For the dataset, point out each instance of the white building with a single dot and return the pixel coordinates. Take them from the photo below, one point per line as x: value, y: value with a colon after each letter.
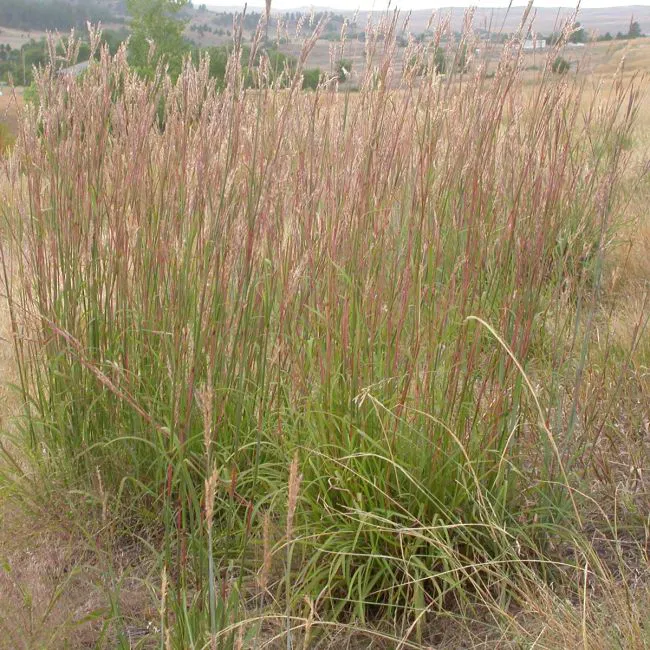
x: 74, y: 70
x: 534, y: 44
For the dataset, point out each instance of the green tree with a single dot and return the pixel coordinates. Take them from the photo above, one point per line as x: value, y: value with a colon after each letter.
x: 420, y: 66
x: 114, y: 38
x: 578, y: 35
x: 218, y: 63
x: 18, y: 64
x: 635, y: 30
x: 156, y: 23
x: 311, y: 78
x: 279, y: 63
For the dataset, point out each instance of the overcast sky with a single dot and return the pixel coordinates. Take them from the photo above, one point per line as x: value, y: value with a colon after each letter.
x: 352, y: 5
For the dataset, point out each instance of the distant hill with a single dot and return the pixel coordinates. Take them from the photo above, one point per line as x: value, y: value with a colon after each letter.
x: 64, y: 14
x: 546, y: 20
x: 57, y: 14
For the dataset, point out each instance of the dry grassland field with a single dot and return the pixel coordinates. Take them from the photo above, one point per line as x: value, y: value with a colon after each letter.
x: 17, y: 37
x: 361, y: 367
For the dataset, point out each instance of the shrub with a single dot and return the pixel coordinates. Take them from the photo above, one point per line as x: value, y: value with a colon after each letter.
x: 560, y: 65
x: 311, y: 78
x: 343, y: 69
x: 421, y: 63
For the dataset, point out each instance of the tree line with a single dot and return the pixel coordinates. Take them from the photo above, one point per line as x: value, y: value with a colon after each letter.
x: 580, y: 35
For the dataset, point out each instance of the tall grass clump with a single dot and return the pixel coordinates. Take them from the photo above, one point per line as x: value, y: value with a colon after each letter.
x: 322, y: 347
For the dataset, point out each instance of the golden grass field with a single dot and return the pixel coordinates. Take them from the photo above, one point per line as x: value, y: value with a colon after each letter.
x: 55, y: 580
x: 17, y: 37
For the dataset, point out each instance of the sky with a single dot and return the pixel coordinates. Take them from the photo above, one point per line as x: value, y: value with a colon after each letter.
x: 379, y: 5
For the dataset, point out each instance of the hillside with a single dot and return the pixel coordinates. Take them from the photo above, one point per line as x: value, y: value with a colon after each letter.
x: 56, y: 14
x: 612, y: 19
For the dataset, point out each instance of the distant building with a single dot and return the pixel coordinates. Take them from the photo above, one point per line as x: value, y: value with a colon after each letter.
x: 534, y: 44
x: 73, y: 70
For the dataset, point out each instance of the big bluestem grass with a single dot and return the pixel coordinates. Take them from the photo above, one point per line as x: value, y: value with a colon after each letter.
x: 386, y: 292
